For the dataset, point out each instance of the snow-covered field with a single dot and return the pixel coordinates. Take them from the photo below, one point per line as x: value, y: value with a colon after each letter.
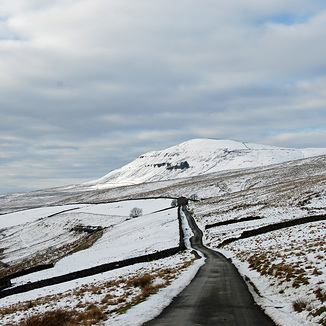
x: 113, y: 291
x: 122, y: 236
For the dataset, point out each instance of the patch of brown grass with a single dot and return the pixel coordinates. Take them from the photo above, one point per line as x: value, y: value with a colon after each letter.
x: 284, y: 272
x: 61, y: 317
x: 51, y: 318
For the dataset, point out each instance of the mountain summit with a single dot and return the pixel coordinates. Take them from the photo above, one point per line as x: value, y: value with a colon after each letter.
x: 197, y: 157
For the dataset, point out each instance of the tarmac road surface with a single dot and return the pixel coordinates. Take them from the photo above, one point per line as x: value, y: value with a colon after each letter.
x: 217, y: 295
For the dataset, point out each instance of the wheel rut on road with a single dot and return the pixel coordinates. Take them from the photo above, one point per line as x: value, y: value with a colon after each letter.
x: 217, y: 295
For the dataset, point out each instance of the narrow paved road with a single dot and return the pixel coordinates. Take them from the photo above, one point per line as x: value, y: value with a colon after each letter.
x: 216, y: 296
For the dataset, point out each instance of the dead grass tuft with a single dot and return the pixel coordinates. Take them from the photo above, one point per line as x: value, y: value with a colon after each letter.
x: 300, y: 304
x: 141, y: 281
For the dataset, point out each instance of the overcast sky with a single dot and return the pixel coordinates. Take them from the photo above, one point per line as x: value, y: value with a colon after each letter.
x: 86, y: 86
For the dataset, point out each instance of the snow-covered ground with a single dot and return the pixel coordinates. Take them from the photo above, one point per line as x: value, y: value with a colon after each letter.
x: 109, y: 291
x: 287, y: 266
x: 31, y: 215
x: 293, y: 269
x: 124, y: 238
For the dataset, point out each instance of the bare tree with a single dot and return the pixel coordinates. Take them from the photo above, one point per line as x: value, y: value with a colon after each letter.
x: 136, y: 212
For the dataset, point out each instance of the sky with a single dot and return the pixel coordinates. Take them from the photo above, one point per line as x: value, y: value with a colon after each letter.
x: 86, y: 86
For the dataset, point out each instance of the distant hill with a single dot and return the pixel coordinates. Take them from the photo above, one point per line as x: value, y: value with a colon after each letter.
x: 197, y: 157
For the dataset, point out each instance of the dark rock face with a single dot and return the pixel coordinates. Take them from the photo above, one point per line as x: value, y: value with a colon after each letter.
x: 169, y: 167
x: 180, y: 166
x: 158, y: 165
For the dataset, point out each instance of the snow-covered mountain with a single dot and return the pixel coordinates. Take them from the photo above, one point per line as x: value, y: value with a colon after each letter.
x: 197, y: 157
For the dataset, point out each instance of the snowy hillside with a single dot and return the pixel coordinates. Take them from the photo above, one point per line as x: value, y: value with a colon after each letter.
x: 198, y: 157
x: 65, y: 243
x: 123, y: 237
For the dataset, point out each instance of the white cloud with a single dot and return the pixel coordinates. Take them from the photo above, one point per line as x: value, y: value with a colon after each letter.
x: 100, y: 82
x: 301, y: 139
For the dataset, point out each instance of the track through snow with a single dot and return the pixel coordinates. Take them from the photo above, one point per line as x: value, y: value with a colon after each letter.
x: 217, y: 295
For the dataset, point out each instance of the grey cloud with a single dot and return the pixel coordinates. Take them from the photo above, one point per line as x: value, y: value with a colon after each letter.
x: 88, y: 86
